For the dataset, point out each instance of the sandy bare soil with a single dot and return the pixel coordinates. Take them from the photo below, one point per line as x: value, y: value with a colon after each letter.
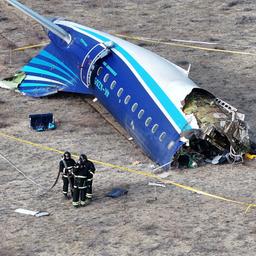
x: 178, y: 222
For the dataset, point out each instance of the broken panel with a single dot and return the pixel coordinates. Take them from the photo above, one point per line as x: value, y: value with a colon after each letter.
x: 221, y: 131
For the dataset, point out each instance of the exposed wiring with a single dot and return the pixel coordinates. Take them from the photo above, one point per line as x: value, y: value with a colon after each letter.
x: 234, y: 156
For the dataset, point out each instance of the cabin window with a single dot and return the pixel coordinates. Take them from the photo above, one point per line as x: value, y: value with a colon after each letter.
x: 154, y: 128
x: 148, y: 121
x: 120, y: 91
x: 141, y: 113
x: 134, y: 107
x: 113, y: 85
x: 99, y: 71
x: 127, y: 99
x: 162, y: 136
x: 106, y: 77
x: 171, y: 144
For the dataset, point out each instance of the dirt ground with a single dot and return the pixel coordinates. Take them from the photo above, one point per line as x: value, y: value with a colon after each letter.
x: 168, y: 221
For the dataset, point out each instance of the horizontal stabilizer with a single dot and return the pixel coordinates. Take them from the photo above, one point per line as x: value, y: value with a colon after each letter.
x: 51, y: 71
x: 12, y: 83
x: 36, y: 91
x: 58, y: 31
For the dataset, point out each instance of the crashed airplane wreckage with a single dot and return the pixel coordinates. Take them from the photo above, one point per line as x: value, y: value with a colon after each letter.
x: 167, y: 114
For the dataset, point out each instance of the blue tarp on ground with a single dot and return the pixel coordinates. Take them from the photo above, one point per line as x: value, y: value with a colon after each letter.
x: 116, y: 192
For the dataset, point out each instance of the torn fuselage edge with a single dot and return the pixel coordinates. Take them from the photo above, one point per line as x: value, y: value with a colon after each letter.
x: 215, y: 124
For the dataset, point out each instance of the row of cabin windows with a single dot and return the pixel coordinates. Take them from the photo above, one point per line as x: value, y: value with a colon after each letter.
x: 134, y: 107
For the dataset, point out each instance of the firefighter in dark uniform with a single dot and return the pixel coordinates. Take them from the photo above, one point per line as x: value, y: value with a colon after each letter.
x: 66, y: 167
x: 83, y: 181
x: 91, y: 171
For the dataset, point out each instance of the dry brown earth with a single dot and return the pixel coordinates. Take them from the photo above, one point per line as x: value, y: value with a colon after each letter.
x: 179, y: 222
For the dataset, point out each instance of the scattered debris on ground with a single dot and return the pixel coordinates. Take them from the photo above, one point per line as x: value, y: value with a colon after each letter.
x: 117, y: 192
x: 33, y: 213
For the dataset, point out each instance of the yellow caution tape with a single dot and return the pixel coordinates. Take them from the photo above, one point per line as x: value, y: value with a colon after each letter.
x: 149, y: 40
x: 184, y: 45
x: 146, y: 174
x: 250, y: 156
x: 30, y: 47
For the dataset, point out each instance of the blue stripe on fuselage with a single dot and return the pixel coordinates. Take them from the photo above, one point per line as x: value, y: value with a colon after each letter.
x: 51, y: 66
x: 170, y: 107
x: 38, y: 71
x: 55, y: 59
x: 31, y: 83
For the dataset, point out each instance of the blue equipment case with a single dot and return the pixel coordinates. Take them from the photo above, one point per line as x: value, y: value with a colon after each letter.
x: 42, y: 122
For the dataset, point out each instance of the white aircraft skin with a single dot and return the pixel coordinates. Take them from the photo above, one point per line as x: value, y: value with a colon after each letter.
x: 143, y: 91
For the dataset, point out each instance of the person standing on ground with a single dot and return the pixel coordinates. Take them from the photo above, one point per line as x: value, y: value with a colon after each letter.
x: 83, y: 181
x: 66, y: 167
x: 91, y: 172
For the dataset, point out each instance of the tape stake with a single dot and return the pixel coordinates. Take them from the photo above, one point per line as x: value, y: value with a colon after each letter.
x: 137, y: 172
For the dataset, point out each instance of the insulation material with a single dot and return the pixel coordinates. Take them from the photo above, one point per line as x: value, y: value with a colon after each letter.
x: 222, y: 134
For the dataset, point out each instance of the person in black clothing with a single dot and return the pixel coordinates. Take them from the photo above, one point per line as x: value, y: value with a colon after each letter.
x: 66, y: 166
x: 83, y: 175
x: 91, y: 171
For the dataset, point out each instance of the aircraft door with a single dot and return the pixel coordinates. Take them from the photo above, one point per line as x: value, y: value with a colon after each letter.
x: 97, y: 53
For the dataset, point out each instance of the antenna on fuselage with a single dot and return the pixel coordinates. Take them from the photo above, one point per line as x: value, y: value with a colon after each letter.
x: 58, y: 31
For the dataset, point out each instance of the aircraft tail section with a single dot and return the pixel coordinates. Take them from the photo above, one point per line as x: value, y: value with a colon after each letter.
x: 52, y: 71
x: 49, y: 72
x: 55, y: 68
